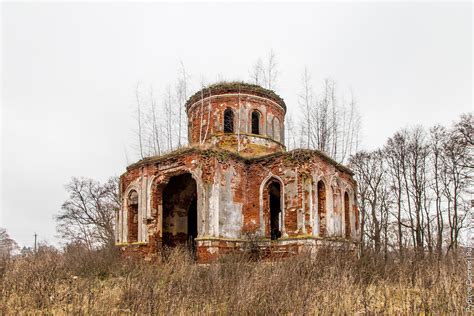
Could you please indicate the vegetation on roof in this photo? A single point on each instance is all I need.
(235, 87)
(223, 154)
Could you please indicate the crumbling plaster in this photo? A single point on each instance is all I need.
(230, 194)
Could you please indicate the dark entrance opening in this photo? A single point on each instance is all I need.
(255, 122)
(180, 212)
(275, 210)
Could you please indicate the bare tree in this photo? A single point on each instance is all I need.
(334, 122)
(456, 180)
(257, 72)
(374, 195)
(349, 129)
(271, 72)
(155, 126)
(161, 125)
(182, 96)
(425, 185)
(7, 244)
(87, 216)
(307, 108)
(416, 158)
(465, 128)
(407, 162)
(139, 121)
(328, 124)
(437, 138)
(265, 72)
(290, 132)
(169, 116)
(395, 155)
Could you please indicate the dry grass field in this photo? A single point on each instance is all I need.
(80, 282)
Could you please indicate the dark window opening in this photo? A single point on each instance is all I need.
(275, 210)
(255, 122)
(228, 121)
(132, 217)
(180, 212)
(347, 217)
(322, 208)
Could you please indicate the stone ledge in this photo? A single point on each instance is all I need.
(266, 239)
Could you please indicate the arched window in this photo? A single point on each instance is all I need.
(228, 121)
(347, 217)
(255, 122)
(132, 208)
(322, 208)
(276, 129)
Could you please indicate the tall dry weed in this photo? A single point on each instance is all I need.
(79, 281)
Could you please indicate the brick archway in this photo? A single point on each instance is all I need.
(265, 207)
(179, 215)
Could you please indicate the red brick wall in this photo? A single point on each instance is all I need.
(213, 121)
(294, 170)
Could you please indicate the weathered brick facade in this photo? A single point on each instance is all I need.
(232, 184)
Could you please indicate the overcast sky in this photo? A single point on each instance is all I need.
(69, 72)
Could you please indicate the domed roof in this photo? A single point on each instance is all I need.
(235, 87)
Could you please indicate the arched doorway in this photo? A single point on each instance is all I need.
(272, 202)
(347, 217)
(322, 208)
(180, 212)
(132, 216)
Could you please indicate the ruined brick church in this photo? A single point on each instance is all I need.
(234, 183)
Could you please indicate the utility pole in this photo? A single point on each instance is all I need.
(35, 241)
